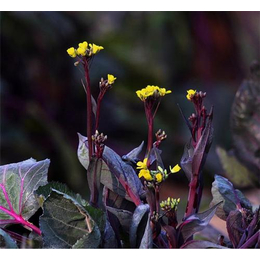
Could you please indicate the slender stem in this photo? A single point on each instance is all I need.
(99, 99)
(157, 198)
(89, 109)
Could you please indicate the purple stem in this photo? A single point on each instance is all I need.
(20, 220)
(89, 109)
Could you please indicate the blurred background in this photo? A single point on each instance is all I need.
(43, 103)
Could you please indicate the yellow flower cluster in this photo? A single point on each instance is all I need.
(151, 90)
(111, 79)
(84, 49)
(157, 176)
(191, 93)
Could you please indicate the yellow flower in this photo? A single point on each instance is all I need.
(140, 94)
(175, 169)
(142, 164)
(159, 177)
(81, 51)
(83, 45)
(111, 79)
(72, 52)
(94, 49)
(146, 174)
(163, 91)
(190, 94)
(151, 90)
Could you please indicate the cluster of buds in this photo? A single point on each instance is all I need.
(193, 95)
(170, 204)
(160, 136)
(105, 84)
(99, 140)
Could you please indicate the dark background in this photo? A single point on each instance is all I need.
(43, 104)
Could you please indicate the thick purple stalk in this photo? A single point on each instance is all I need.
(89, 109)
(150, 119)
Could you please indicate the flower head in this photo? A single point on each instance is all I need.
(152, 90)
(94, 49)
(84, 49)
(159, 177)
(191, 93)
(146, 174)
(163, 91)
(142, 164)
(175, 169)
(111, 79)
(72, 52)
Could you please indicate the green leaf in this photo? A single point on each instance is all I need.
(235, 171)
(18, 182)
(6, 241)
(97, 214)
(223, 190)
(67, 224)
(44, 191)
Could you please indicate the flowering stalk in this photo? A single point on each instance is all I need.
(89, 108)
(84, 53)
(104, 85)
(151, 96)
(201, 130)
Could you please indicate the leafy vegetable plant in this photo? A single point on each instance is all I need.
(124, 209)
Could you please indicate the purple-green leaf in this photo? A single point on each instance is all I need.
(196, 222)
(223, 190)
(18, 183)
(201, 244)
(140, 229)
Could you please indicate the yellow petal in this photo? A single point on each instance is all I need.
(83, 45)
(175, 169)
(72, 52)
(191, 93)
(146, 174)
(81, 51)
(159, 177)
(111, 79)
